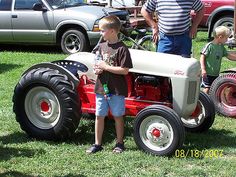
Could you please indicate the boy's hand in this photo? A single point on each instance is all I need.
(204, 74)
(96, 70)
(102, 65)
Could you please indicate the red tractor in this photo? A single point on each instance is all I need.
(163, 96)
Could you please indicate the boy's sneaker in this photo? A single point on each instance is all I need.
(119, 148)
(94, 148)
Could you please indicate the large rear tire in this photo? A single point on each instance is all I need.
(46, 104)
(223, 94)
(203, 117)
(158, 130)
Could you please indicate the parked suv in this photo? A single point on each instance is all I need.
(217, 12)
(69, 23)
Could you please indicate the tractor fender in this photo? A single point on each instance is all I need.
(61, 66)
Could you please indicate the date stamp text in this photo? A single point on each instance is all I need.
(195, 153)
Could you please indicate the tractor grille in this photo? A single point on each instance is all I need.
(191, 92)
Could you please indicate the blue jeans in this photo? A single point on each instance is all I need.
(116, 104)
(175, 44)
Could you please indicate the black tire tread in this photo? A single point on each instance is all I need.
(227, 77)
(209, 117)
(63, 88)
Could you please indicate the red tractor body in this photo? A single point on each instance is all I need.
(163, 97)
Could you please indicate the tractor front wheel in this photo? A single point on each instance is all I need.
(158, 130)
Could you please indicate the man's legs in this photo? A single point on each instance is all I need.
(165, 44)
(176, 44)
(184, 45)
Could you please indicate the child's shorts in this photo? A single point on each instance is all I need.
(207, 81)
(116, 104)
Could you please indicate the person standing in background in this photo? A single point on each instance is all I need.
(211, 56)
(174, 28)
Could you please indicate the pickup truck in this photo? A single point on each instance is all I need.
(73, 25)
(217, 12)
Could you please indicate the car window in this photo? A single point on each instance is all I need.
(5, 4)
(25, 4)
(64, 3)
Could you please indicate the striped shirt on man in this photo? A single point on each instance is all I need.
(173, 15)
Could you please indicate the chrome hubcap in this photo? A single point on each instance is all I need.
(42, 107)
(156, 133)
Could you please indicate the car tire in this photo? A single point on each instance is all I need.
(227, 21)
(73, 41)
(223, 94)
(46, 105)
(158, 130)
(203, 117)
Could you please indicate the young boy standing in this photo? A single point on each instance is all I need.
(212, 55)
(111, 86)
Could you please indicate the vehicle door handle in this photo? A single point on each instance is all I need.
(13, 16)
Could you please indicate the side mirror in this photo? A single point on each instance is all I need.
(39, 7)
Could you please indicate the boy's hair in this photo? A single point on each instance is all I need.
(221, 30)
(110, 22)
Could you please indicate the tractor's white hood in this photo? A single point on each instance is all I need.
(161, 64)
(147, 62)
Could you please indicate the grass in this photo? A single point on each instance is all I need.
(26, 157)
